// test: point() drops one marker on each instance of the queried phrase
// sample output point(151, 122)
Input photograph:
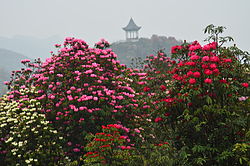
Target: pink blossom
point(23, 86)
point(195, 46)
point(190, 63)
point(146, 106)
point(123, 147)
point(119, 97)
point(227, 60)
point(208, 80)
point(6, 82)
point(205, 58)
point(70, 97)
point(189, 73)
point(125, 129)
point(197, 74)
point(137, 130)
point(214, 59)
point(213, 66)
point(77, 72)
point(208, 72)
point(72, 88)
point(88, 71)
point(81, 119)
point(90, 110)
point(76, 150)
point(175, 48)
point(195, 57)
point(245, 85)
point(82, 108)
point(141, 83)
point(158, 119)
point(204, 66)
point(216, 71)
point(59, 75)
point(25, 60)
point(57, 45)
point(52, 96)
point(243, 98)
point(192, 81)
point(93, 75)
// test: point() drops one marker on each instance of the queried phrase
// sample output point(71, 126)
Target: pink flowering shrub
point(80, 89)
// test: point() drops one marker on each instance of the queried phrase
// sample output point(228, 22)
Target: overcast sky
point(95, 19)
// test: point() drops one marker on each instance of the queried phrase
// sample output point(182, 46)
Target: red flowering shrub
point(198, 109)
point(206, 86)
point(109, 147)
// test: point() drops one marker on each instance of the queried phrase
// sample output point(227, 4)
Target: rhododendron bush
point(190, 109)
point(109, 146)
point(202, 107)
point(79, 89)
point(26, 136)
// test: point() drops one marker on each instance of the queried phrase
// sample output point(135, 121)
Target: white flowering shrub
point(26, 138)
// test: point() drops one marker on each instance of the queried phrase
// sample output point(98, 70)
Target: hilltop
point(128, 50)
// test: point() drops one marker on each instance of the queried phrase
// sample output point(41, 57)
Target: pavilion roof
point(131, 26)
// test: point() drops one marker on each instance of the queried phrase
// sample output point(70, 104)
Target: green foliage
point(214, 33)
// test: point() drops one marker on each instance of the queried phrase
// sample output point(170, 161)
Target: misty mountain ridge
point(10, 61)
point(31, 47)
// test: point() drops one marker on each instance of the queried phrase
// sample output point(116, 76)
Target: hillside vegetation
point(127, 50)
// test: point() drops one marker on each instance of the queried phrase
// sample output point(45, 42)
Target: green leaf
point(209, 100)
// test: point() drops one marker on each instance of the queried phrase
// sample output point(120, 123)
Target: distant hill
point(127, 50)
point(9, 61)
point(31, 46)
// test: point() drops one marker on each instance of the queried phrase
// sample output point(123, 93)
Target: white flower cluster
point(23, 126)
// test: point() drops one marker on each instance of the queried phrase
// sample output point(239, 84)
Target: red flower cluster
point(202, 67)
point(158, 119)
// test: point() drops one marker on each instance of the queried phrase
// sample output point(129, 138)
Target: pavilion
point(131, 31)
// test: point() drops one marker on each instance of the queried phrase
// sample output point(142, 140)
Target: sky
point(92, 20)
